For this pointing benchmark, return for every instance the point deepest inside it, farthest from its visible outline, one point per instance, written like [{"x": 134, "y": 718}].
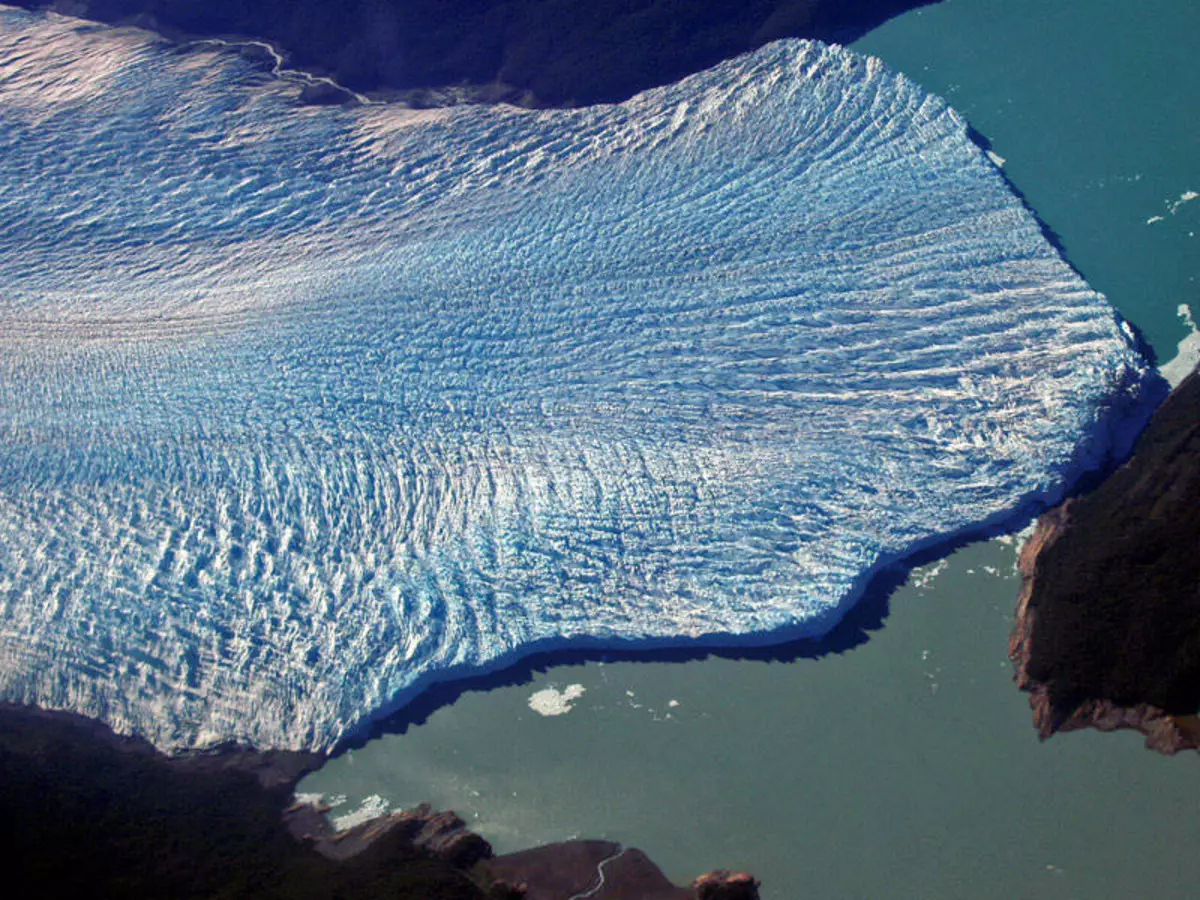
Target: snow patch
[
  {"x": 1187, "y": 355},
  {"x": 372, "y": 807}
]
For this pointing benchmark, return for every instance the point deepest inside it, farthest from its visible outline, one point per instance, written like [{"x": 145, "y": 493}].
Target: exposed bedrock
[
  {"x": 442, "y": 834},
  {"x": 99, "y": 815},
  {"x": 93, "y": 814},
  {"x": 726, "y": 885},
  {"x": 533, "y": 52},
  {"x": 1108, "y": 622}
]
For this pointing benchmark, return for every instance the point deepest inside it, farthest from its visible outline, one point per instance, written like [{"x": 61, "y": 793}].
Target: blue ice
[{"x": 303, "y": 408}]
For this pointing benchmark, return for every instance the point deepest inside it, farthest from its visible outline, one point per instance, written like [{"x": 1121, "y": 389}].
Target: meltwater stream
[{"x": 303, "y": 408}]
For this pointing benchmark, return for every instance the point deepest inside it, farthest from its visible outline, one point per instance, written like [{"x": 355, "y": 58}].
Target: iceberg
[{"x": 302, "y": 409}]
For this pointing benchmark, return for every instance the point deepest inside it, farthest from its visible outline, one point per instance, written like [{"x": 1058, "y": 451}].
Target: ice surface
[
  {"x": 553, "y": 702},
  {"x": 301, "y": 408}
]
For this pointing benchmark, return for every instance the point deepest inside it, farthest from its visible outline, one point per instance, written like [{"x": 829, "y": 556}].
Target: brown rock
[
  {"x": 726, "y": 885},
  {"x": 599, "y": 870},
  {"x": 441, "y": 834},
  {"x": 463, "y": 849},
  {"x": 500, "y": 890},
  {"x": 1107, "y": 631}
]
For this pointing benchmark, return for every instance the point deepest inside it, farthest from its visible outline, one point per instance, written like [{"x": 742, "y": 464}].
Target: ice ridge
[{"x": 302, "y": 408}]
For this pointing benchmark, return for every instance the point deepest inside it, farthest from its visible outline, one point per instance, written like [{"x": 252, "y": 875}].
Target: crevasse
[{"x": 301, "y": 409}]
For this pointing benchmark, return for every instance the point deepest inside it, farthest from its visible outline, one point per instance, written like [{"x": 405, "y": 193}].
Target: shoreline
[
  {"x": 224, "y": 819},
  {"x": 1120, "y": 623},
  {"x": 1165, "y": 733}
]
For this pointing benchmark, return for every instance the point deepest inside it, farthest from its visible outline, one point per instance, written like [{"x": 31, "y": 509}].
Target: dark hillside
[
  {"x": 541, "y": 52},
  {"x": 87, "y": 814},
  {"x": 1116, "y": 595}
]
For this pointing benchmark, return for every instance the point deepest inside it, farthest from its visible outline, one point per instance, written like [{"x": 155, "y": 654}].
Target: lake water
[
  {"x": 1093, "y": 107},
  {"x": 908, "y": 766},
  {"x": 904, "y": 768}
]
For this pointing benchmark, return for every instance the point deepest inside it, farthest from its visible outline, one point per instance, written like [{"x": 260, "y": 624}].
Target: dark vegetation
[
  {"x": 89, "y": 815},
  {"x": 1117, "y": 596},
  {"x": 544, "y": 52}
]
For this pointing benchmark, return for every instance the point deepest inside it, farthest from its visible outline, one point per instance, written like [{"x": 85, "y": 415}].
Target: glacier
[{"x": 302, "y": 409}]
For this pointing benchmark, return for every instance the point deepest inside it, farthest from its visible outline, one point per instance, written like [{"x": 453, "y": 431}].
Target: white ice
[{"x": 304, "y": 408}]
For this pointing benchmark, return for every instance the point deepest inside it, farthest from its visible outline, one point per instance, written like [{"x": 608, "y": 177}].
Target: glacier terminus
[{"x": 302, "y": 408}]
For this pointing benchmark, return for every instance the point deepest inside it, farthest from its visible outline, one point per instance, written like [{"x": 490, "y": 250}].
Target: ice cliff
[{"x": 301, "y": 408}]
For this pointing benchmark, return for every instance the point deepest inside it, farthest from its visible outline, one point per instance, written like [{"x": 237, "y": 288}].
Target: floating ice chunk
[
  {"x": 922, "y": 577},
  {"x": 1185, "y": 313},
  {"x": 553, "y": 702},
  {"x": 1187, "y": 354},
  {"x": 1185, "y": 197}
]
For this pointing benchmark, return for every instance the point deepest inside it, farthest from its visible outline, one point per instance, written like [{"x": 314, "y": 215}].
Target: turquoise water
[
  {"x": 906, "y": 767},
  {"x": 1093, "y": 105}
]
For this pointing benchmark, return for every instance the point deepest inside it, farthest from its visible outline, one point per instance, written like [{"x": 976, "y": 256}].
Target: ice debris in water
[
  {"x": 303, "y": 408},
  {"x": 372, "y": 807},
  {"x": 553, "y": 702}
]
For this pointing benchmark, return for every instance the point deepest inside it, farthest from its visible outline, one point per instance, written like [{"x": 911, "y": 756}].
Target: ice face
[{"x": 302, "y": 408}]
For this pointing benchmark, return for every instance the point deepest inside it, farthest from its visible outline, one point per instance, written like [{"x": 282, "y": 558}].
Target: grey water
[{"x": 906, "y": 767}]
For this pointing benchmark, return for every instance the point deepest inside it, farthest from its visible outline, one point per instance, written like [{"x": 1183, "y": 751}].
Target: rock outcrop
[
  {"x": 602, "y": 870},
  {"x": 1108, "y": 622},
  {"x": 106, "y": 815},
  {"x": 441, "y": 834},
  {"x": 726, "y": 885}
]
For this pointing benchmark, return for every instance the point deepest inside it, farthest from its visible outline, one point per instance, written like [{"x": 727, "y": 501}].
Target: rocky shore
[
  {"x": 92, "y": 813},
  {"x": 1107, "y": 629}
]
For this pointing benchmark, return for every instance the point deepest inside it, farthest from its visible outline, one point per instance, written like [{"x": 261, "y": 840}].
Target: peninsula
[{"x": 1108, "y": 622}]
